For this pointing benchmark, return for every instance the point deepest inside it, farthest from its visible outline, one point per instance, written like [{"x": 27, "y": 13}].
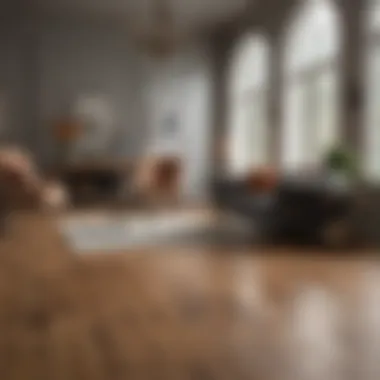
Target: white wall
[
  {"x": 46, "y": 68},
  {"x": 77, "y": 61},
  {"x": 182, "y": 86}
]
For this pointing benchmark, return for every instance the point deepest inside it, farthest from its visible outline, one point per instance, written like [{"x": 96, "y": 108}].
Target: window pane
[
  {"x": 311, "y": 96},
  {"x": 247, "y": 123},
  {"x": 239, "y": 155},
  {"x": 258, "y": 131},
  {"x": 372, "y": 135},
  {"x": 294, "y": 132},
  {"x": 327, "y": 124},
  {"x": 314, "y": 35},
  {"x": 250, "y": 66},
  {"x": 373, "y": 14}
]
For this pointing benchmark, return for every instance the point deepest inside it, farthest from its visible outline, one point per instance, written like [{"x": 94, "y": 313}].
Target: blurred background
[{"x": 189, "y": 189}]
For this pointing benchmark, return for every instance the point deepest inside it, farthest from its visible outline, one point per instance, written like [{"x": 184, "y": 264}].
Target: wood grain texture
[{"x": 183, "y": 313}]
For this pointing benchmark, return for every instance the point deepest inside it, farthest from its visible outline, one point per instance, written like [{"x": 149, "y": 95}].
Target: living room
[{"x": 189, "y": 189}]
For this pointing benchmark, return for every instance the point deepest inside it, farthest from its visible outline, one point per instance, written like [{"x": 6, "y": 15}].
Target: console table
[{"x": 95, "y": 181}]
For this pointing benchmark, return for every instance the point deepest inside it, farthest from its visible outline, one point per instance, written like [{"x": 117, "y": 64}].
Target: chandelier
[{"x": 158, "y": 37}]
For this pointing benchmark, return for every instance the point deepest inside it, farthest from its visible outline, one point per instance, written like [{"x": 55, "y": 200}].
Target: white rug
[
  {"x": 113, "y": 233},
  {"x": 123, "y": 232}
]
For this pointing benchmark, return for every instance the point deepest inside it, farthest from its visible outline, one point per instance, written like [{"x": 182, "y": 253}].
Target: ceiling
[{"x": 190, "y": 15}]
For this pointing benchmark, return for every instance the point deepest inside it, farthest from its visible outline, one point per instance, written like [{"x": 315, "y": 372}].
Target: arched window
[
  {"x": 311, "y": 96},
  {"x": 372, "y": 122},
  {"x": 248, "y": 105}
]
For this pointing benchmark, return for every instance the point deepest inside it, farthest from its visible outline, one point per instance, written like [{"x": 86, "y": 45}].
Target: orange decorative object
[
  {"x": 264, "y": 179},
  {"x": 67, "y": 131}
]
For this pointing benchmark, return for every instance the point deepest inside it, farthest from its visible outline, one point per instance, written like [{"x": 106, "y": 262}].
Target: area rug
[{"x": 125, "y": 232}]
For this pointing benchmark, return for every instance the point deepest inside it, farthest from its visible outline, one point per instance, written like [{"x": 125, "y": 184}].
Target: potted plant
[{"x": 341, "y": 165}]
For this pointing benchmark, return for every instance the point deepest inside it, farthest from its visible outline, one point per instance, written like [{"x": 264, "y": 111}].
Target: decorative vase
[{"x": 67, "y": 132}]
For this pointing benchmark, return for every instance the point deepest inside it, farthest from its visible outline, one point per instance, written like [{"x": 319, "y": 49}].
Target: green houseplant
[{"x": 340, "y": 162}]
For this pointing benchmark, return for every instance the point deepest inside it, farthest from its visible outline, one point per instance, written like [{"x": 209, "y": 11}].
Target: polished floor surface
[{"x": 183, "y": 313}]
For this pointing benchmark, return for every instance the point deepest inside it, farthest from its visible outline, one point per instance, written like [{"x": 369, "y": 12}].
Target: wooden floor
[{"x": 183, "y": 314}]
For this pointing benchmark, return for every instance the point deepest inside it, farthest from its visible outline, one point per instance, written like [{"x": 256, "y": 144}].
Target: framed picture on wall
[{"x": 169, "y": 126}]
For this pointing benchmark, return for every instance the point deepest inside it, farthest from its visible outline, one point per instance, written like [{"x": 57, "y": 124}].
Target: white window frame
[
  {"x": 242, "y": 154},
  {"x": 308, "y": 144}
]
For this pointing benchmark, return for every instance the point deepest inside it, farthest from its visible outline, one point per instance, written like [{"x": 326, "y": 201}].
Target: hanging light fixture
[{"x": 159, "y": 36}]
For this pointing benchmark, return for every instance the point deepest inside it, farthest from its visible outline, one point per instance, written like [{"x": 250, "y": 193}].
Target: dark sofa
[{"x": 297, "y": 209}]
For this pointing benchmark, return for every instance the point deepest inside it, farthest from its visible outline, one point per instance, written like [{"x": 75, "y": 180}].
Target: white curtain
[
  {"x": 311, "y": 99},
  {"x": 248, "y": 122},
  {"x": 372, "y": 122}
]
